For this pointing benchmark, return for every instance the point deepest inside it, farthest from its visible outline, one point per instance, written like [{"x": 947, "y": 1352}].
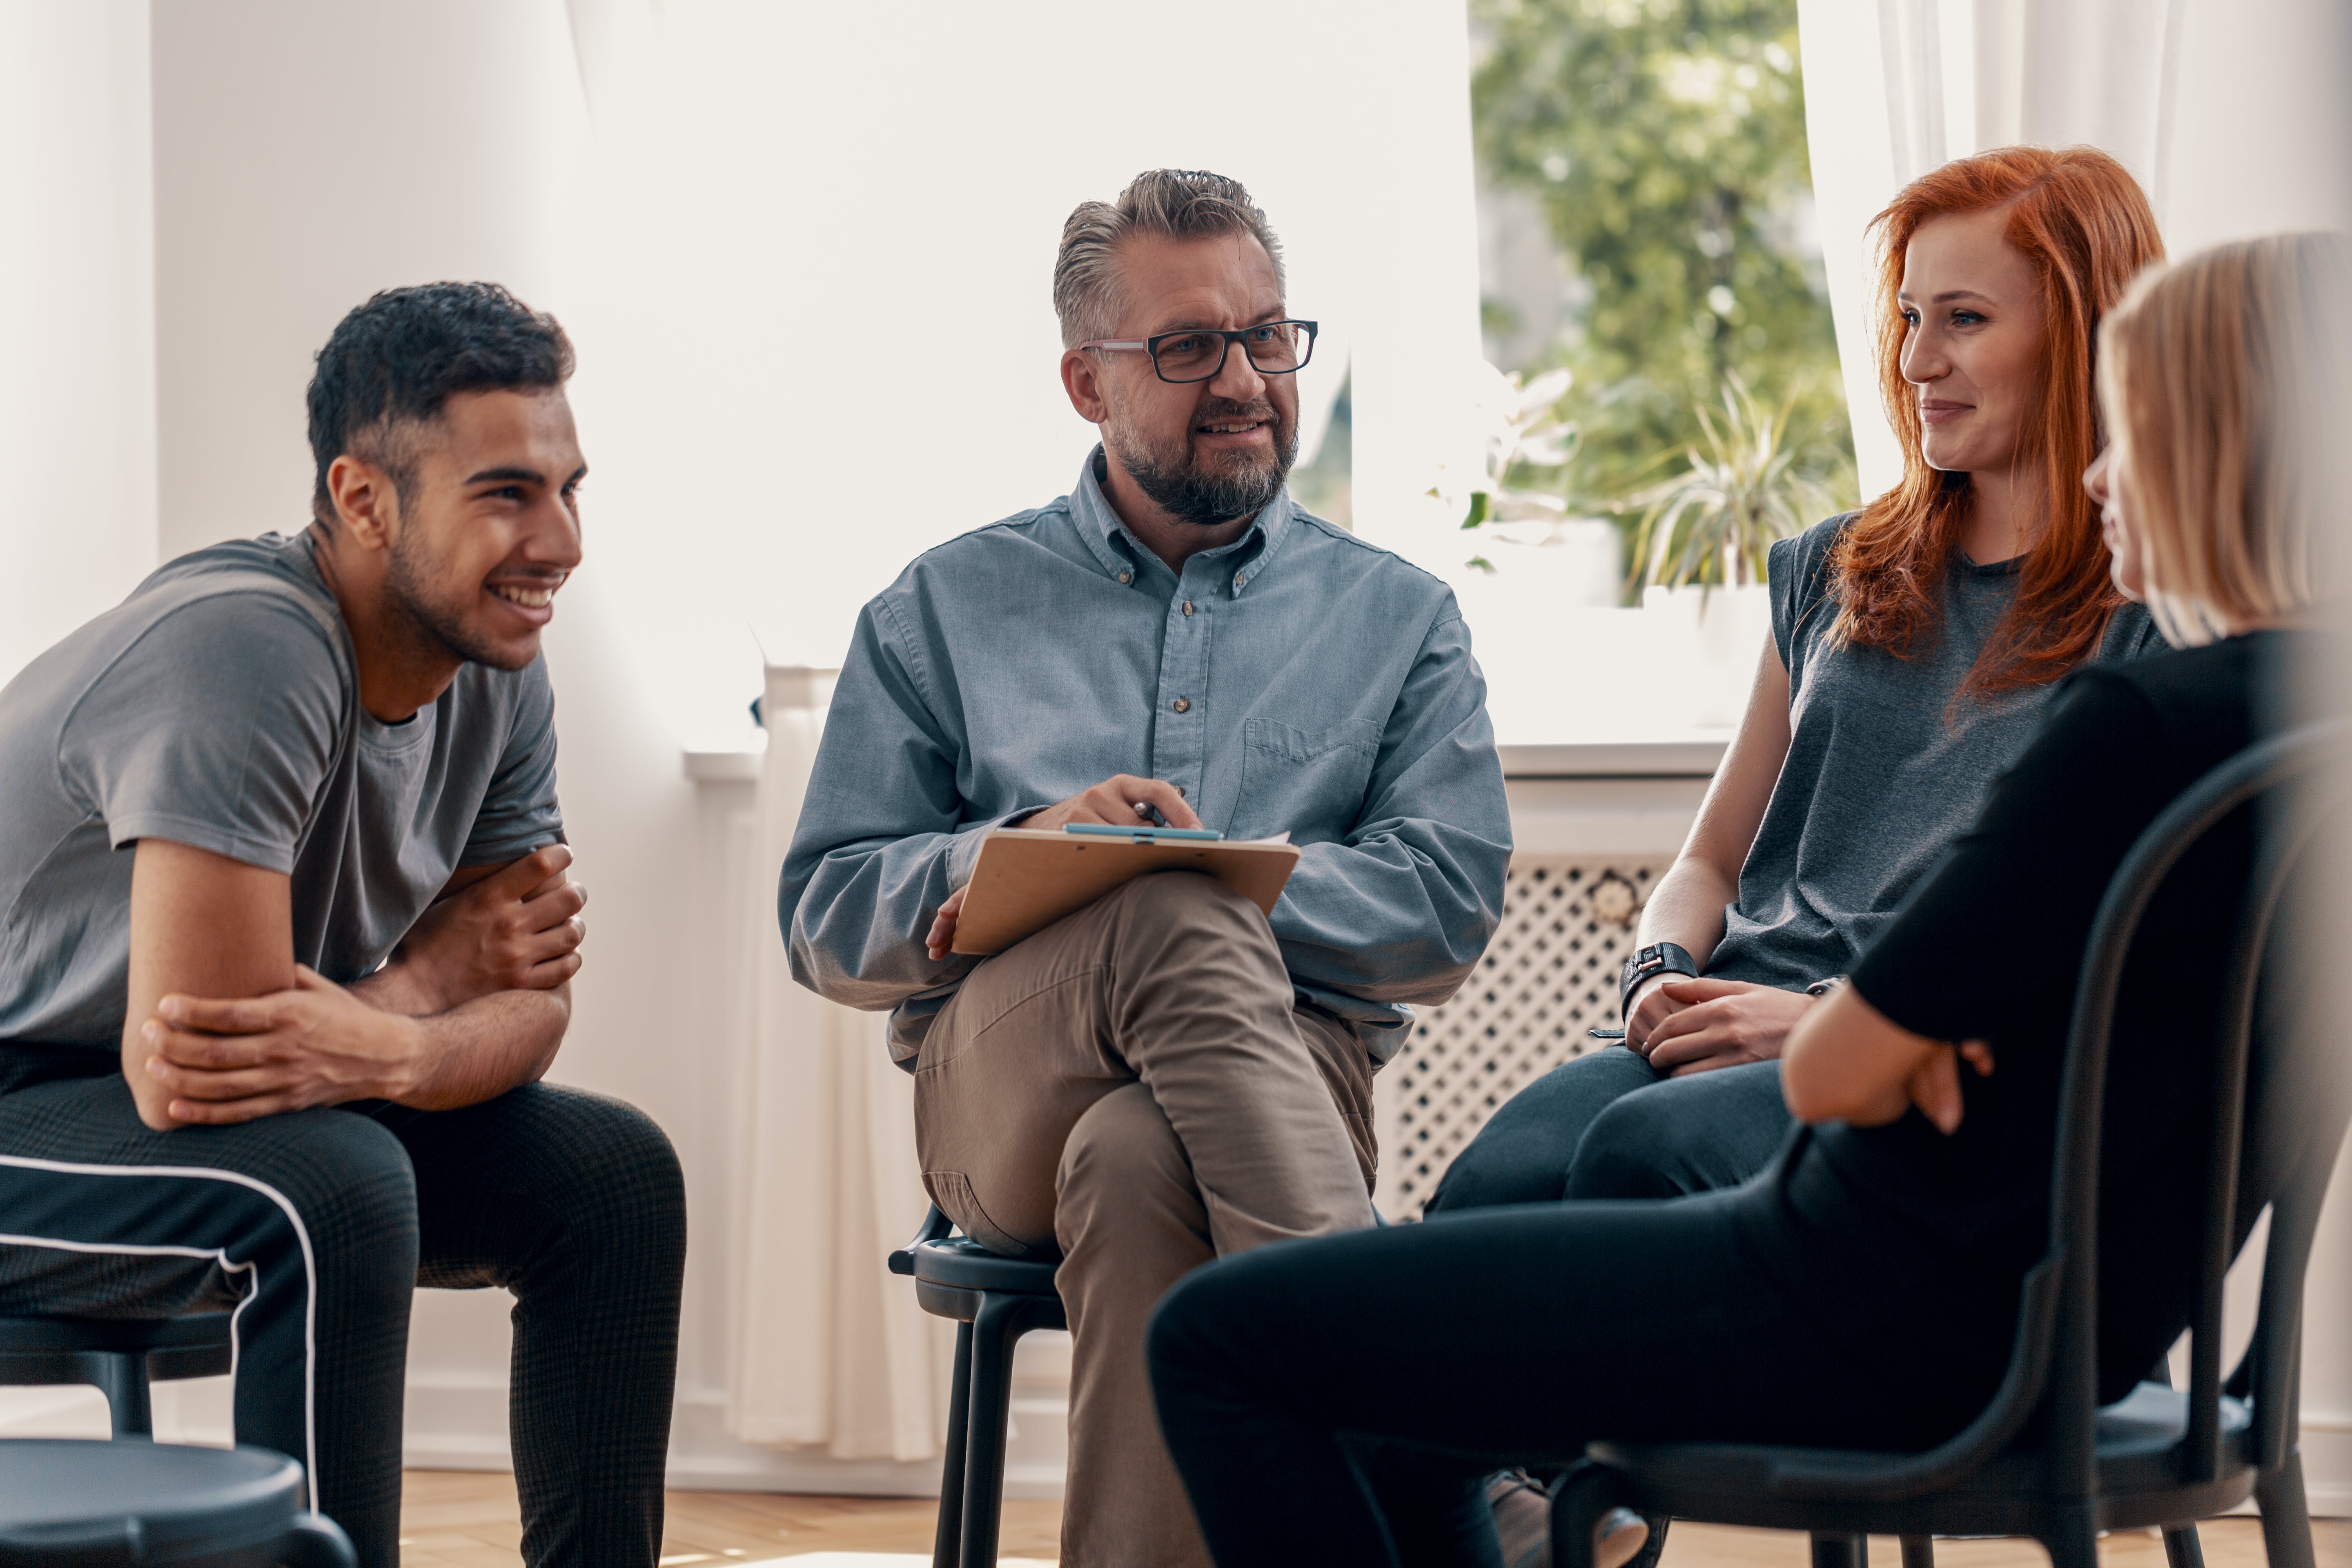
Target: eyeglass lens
[{"x": 1275, "y": 349}]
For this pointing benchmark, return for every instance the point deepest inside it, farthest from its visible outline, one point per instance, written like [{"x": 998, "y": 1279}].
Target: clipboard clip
[{"x": 1142, "y": 835}]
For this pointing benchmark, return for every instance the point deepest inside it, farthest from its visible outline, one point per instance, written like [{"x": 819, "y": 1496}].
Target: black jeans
[
  {"x": 323, "y": 1222},
  {"x": 1604, "y": 1125},
  {"x": 1338, "y": 1400}
]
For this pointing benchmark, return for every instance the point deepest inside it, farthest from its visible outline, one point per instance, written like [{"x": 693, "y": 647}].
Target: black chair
[
  {"x": 119, "y": 1358},
  {"x": 68, "y": 1504},
  {"x": 994, "y": 1301},
  {"x": 2159, "y": 1457}
]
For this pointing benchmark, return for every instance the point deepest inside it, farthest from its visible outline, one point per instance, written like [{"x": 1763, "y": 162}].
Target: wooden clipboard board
[{"x": 1027, "y": 879}]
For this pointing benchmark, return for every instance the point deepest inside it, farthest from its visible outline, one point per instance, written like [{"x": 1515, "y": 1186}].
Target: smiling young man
[
  {"x": 288, "y": 946},
  {"x": 1168, "y": 1075}
]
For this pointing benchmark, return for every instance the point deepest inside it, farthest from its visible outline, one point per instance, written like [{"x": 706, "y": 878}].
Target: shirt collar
[{"x": 1107, "y": 540}]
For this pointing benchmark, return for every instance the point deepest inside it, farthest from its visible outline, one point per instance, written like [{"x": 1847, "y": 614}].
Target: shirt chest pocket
[{"x": 1309, "y": 783}]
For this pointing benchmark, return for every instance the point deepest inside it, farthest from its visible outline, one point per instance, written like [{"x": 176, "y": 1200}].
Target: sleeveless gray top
[{"x": 1884, "y": 771}]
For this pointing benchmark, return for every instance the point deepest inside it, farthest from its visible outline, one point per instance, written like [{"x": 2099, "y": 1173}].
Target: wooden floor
[{"x": 469, "y": 1520}]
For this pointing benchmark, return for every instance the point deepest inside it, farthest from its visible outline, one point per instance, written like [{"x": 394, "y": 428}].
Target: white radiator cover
[{"x": 1549, "y": 974}]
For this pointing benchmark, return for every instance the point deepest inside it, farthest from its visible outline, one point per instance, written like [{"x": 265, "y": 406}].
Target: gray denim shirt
[{"x": 1297, "y": 679}]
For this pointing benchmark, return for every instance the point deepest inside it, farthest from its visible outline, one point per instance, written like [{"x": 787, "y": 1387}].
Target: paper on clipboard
[{"x": 1027, "y": 880}]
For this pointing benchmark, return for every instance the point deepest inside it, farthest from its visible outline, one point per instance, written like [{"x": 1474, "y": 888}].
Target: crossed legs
[{"x": 1134, "y": 1086}]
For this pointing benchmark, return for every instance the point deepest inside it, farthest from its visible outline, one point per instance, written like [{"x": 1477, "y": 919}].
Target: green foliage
[
  {"x": 1746, "y": 484},
  {"x": 1665, "y": 141}
]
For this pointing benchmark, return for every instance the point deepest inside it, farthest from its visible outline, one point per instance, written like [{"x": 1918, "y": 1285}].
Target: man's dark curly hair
[{"x": 397, "y": 360}]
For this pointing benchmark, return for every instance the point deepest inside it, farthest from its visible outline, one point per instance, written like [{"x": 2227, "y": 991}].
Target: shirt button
[
  {"x": 1188, "y": 607},
  {"x": 1182, "y": 705},
  {"x": 1239, "y": 579},
  {"x": 1127, "y": 576}
]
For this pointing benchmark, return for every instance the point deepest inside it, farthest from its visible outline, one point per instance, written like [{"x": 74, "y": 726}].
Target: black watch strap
[{"x": 1658, "y": 958}]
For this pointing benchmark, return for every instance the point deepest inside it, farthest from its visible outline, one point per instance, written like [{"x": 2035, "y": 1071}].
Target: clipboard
[{"x": 1027, "y": 880}]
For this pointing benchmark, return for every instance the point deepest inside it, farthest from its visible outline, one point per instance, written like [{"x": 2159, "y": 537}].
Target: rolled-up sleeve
[
  {"x": 1401, "y": 910},
  {"x": 874, "y": 853}
]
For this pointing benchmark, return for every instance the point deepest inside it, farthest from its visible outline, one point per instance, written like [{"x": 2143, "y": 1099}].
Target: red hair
[{"x": 2082, "y": 222}]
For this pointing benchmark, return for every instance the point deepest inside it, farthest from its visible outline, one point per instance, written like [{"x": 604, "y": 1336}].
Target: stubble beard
[
  {"x": 436, "y": 629},
  {"x": 1212, "y": 491}
]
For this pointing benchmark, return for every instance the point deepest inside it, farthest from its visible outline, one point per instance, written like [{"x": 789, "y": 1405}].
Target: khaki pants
[{"x": 1134, "y": 1084}]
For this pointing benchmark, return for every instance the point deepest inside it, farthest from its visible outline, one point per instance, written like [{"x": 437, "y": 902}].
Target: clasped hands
[
  {"x": 1118, "y": 800},
  {"x": 237, "y": 1059},
  {"x": 1685, "y": 1025}
]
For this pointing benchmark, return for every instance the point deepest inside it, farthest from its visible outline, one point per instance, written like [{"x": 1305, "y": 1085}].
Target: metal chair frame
[
  {"x": 119, "y": 1357},
  {"x": 2157, "y": 1457},
  {"x": 994, "y": 1301},
  {"x": 65, "y": 1503}
]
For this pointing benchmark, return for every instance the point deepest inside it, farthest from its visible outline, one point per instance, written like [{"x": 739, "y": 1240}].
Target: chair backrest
[
  {"x": 2054, "y": 1364},
  {"x": 2282, "y": 770}
]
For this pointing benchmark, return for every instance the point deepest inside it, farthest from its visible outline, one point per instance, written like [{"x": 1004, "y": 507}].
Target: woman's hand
[
  {"x": 1714, "y": 1023},
  {"x": 1846, "y": 1061},
  {"x": 1935, "y": 1086}
]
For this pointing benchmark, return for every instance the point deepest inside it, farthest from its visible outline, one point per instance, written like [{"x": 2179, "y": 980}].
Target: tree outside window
[{"x": 1662, "y": 143}]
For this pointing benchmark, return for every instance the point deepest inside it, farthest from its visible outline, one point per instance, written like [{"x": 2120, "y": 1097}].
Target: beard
[
  {"x": 1210, "y": 490},
  {"x": 435, "y": 627}
]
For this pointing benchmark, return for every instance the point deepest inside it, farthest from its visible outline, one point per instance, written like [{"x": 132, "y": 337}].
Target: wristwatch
[
  {"x": 1823, "y": 987},
  {"x": 1658, "y": 958}
]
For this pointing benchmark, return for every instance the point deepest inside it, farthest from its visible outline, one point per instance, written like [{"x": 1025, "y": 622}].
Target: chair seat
[
  {"x": 964, "y": 1264},
  {"x": 2136, "y": 1438},
  {"x": 63, "y": 1500},
  {"x": 42, "y": 1350}
]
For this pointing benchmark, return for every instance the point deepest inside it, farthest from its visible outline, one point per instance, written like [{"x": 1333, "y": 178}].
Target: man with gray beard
[{"x": 1167, "y": 1075}]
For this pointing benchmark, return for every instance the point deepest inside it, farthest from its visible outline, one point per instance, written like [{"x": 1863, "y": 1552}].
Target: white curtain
[
  {"x": 1894, "y": 88},
  {"x": 831, "y": 1351}
]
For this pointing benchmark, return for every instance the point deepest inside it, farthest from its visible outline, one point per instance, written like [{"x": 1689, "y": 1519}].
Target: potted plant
[
  {"x": 1547, "y": 553},
  {"x": 1701, "y": 544}
]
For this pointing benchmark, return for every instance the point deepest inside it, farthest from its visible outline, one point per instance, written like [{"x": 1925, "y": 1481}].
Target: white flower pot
[{"x": 1717, "y": 635}]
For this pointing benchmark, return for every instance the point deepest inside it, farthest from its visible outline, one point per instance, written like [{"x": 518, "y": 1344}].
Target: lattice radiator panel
[{"x": 1549, "y": 974}]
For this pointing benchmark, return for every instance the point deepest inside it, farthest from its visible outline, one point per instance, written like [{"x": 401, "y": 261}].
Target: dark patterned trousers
[{"x": 316, "y": 1227}]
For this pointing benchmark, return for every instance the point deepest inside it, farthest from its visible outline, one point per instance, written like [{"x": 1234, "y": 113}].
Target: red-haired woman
[{"x": 1912, "y": 644}]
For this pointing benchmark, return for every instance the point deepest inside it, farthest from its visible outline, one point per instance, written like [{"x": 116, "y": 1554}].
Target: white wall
[
  {"x": 78, "y": 328},
  {"x": 2261, "y": 136}
]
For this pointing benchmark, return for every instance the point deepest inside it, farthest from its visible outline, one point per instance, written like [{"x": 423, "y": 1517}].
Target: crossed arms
[{"x": 223, "y": 1025}]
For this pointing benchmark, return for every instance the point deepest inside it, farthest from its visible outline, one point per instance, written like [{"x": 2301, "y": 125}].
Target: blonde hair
[
  {"x": 2217, "y": 375},
  {"x": 1180, "y": 203}
]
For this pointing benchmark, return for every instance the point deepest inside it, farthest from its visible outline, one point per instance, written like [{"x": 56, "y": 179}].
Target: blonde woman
[{"x": 1881, "y": 1256}]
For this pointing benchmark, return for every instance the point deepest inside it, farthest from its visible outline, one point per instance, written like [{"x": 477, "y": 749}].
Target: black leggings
[
  {"x": 1604, "y": 1125},
  {"x": 1337, "y": 1400},
  {"x": 322, "y": 1223}
]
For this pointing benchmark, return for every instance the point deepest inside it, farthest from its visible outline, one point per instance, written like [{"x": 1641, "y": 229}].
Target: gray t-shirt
[
  {"x": 1884, "y": 771},
  {"x": 218, "y": 707}
]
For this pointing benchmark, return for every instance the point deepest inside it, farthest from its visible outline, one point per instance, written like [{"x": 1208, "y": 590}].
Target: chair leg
[
  {"x": 2286, "y": 1519},
  {"x": 2181, "y": 1547},
  {"x": 2072, "y": 1542},
  {"x": 998, "y": 1325},
  {"x": 1919, "y": 1551},
  {"x": 1840, "y": 1551},
  {"x": 947, "y": 1543},
  {"x": 121, "y": 1376}
]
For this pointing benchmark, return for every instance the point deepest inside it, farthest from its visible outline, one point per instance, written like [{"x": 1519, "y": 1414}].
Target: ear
[
  {"x": 1082, "y": 379},
  {"x": 366, "y": 502}
]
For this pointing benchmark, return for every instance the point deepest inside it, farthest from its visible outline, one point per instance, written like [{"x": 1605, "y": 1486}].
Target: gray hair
[{"x": 1181, "y": 204}]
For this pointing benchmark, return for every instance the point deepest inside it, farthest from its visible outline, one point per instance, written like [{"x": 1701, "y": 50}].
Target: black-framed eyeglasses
[{"x": 1198, "y": 353}]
